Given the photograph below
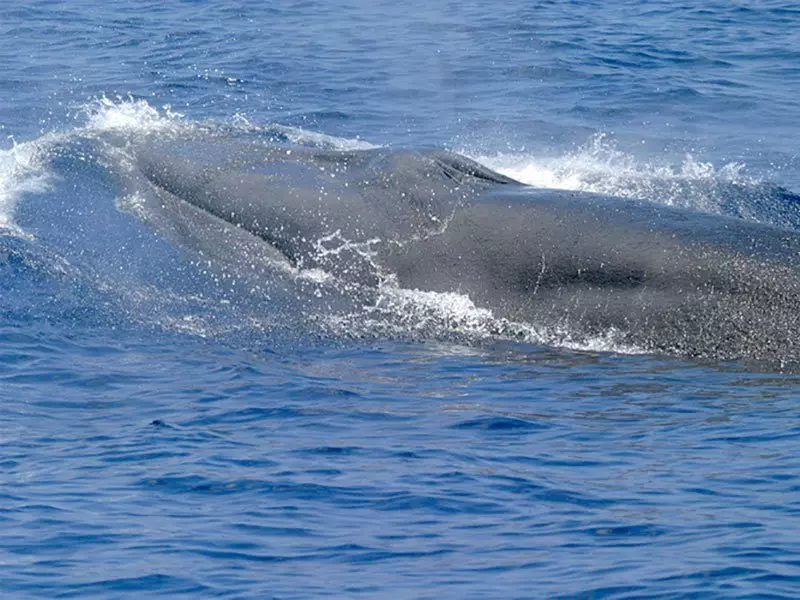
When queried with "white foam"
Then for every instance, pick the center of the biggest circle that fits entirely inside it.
(22, 171)
(599, 166)
(129, 115)
(404, 312)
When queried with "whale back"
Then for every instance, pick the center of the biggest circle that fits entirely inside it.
(661, 278)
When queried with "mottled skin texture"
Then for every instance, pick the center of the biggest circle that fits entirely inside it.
(664, 279)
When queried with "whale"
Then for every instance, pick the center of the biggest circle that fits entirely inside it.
(665, 280)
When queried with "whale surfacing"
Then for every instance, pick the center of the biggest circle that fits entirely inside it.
(667, 280)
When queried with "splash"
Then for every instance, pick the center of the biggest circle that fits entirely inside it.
(22, 170)
(599, 166)
(25, 167)
(450, 316)
(132, 116)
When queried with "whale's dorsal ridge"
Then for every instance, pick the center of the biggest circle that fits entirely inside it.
(459, 168)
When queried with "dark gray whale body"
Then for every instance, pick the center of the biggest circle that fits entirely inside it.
(662, 279)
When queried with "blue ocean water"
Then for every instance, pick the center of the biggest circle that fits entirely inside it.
(166, 430)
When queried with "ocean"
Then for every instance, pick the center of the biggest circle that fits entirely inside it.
(169, 428)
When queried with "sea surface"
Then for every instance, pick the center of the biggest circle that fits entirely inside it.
(166, 433)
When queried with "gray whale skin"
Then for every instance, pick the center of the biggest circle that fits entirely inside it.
(664, 280)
